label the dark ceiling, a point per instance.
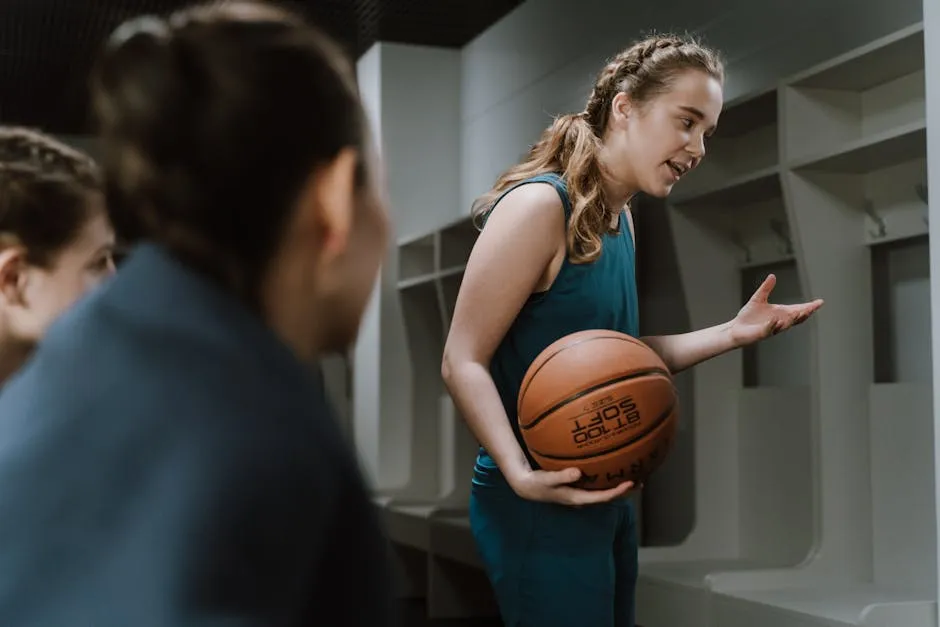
(46, 46)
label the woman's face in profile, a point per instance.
(35, 296)
(367, 248)
(344, 247)
(83, 265)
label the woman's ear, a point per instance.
(621, 108)
(327, 203)
(12, 275)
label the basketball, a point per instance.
(602, 402)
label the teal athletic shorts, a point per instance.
(554, 565)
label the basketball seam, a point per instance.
(626, 338)
(656, 423)
(593, 388)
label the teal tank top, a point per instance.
(597, 295)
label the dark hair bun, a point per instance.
(212, 120)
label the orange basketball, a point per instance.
(600, 401)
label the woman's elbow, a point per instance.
(449, 365)
(452, 363)
(447, 368)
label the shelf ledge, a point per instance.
(833, 604)
(751, 187)
(874, 152)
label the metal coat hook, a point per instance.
(779, 228)
(877, 219)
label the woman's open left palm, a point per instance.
(759, 318)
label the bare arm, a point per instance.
(688, 349)
(523, 234)
(510, 260)
(757, 320)
(683, 351)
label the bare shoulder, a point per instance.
(537, 205)
(525, 229)
(522, 235)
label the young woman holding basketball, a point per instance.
(56, 241)
(557, 555)
(167, 457)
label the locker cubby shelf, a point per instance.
(799, 518)
(849, 180)
(431, 267)
(429, 514)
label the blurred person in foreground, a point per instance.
(167, 457)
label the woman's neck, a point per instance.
(12, 357)
(618, 188)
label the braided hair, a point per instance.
(45, 188)
(570, 145)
